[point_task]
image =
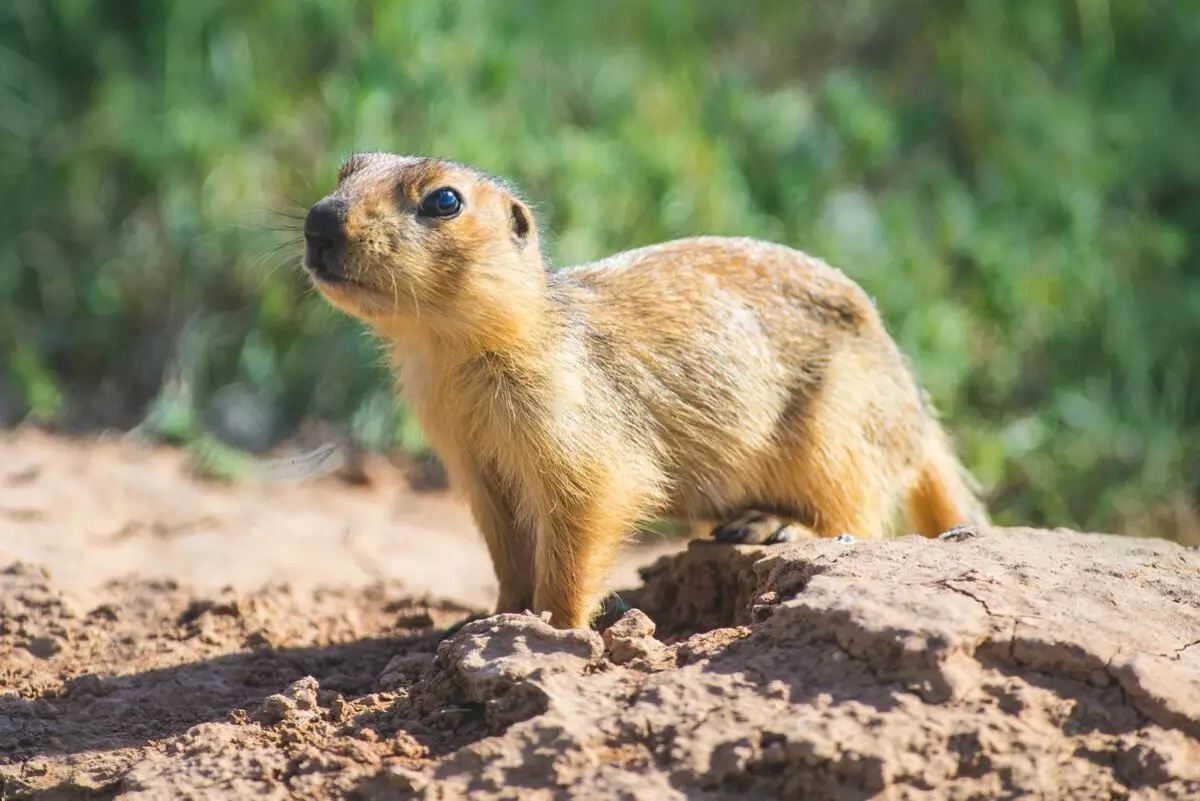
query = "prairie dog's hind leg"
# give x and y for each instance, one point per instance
(754, 527)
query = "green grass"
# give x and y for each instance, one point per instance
(1015, 182)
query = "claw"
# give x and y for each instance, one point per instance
(785, 533)
(758, 528)
(959, 533)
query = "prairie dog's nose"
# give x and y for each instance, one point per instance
(324, 222)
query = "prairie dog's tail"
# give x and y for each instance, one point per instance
(944, 494)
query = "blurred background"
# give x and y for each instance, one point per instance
(1016, 182)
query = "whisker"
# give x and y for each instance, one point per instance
(290, 243)
(272, 272)
(287, 215)
(298, 204)
(395, 290)
(304, 292)
(276, 248)
(292, 228)
(413, 290)
(275, 268)
(304, 177)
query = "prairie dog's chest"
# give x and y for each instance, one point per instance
(492, 403)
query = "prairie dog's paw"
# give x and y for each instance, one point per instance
(959, 533)
(760, 528)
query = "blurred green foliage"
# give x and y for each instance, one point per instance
(1017, 182)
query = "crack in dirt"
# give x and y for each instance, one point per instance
(1179, 651)
(947, 583)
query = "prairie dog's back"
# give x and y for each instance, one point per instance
(797, 302)
(718, 343)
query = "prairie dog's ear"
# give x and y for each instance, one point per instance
(520, 223)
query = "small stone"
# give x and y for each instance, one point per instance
(632, 637)
(634, 623)
(276, 708)
(304, 692)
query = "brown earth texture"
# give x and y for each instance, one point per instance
(167, 638)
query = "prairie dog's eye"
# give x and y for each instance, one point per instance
(444, 202)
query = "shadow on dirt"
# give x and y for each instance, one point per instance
(92, 712)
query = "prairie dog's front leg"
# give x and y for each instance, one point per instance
(576, 545)
(509, 542)
(573, 556)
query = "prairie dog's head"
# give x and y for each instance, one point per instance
(405, 237)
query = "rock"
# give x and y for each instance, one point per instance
(634, 624)
(278, 707)
(304, 692)
(504, 662)
(1007, 663)
(632, 638)
(298, 702)
(1011, 663)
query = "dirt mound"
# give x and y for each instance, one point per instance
(1013, 663)
(154, 692)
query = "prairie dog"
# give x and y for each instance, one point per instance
(721, 381)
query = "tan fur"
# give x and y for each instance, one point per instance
(693, 379)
